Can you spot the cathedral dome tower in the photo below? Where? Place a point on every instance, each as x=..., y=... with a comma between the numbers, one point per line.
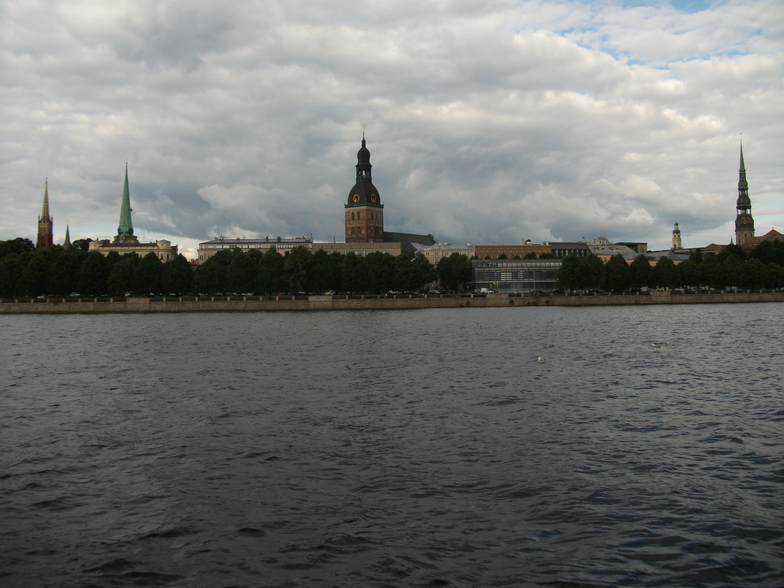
x=363, y=209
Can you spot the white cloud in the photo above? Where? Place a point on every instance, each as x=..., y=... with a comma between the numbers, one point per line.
x=487, y=122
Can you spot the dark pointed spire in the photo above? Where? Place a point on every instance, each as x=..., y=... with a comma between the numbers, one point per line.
x=67, y=243
x=744, y=202
x=744, y=222
x=45, y=210
x=126, y=226
x=45, y=222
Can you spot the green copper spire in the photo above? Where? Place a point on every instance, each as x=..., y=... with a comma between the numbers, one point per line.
x=126, y=226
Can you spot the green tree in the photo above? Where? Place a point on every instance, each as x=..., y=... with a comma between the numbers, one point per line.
x=529, y=255
x=407, y=274
x=380, y=268
x=710, y=271
x=593, y=270
x=148, y=275
x=454, y=272
x=689, y=273
x=642, y=275
x=94, y=274
x=10, y=270
x=296, y=268
x=774, y=276
x=64, y=272
x=352, y=273
x=731, y=250
x=769, y=252
x=754, y=274
x=666, y=273
x=732, y=271
x=270, y=278
x=210, y=276
x=428, y=272
x=695, y=257
x=618, y=276
x=35, y=275
x=242, y=274
x=325, y=271
x=122, y=276
x=177, y=276
x=18, y=246
x=81, y=244
x=570, y=276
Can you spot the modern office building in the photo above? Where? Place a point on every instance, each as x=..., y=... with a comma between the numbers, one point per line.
x=515, y=275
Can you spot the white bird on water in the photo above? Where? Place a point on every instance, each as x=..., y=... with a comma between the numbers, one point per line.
x=656, y=346
x=540, y=359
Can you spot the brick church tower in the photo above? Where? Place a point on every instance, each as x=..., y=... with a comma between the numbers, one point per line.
x=45, y=223
x=364, y=211
x=744, y=222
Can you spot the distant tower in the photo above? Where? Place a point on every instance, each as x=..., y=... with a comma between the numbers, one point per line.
x=45, y=223
x=676, y=238
x=67, y=243
x=125, y=230
x=744, y=222
x=364, y=211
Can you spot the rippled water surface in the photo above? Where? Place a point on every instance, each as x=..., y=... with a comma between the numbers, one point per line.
x=394, y=448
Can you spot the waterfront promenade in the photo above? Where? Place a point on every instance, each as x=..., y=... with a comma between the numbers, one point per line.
x=365, y=302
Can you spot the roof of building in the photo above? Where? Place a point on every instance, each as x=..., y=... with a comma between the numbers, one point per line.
x=408, y=238
x=243, y=241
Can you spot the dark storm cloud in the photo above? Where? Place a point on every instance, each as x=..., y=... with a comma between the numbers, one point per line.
x=487, y=122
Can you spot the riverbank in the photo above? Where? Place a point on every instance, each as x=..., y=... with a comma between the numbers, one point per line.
x=366, y=302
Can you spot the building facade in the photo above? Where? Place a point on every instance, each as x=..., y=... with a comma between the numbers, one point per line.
x=515, y=275
x=282, y=245
x=511, y=251
x=45, y=223
x=437, y=252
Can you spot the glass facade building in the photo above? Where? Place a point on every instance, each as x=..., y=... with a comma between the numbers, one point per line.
x=515, y=275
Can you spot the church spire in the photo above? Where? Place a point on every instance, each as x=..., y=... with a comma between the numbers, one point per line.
x=744, y=222
x=67, y=243
x=45, y=222
x=125, y=230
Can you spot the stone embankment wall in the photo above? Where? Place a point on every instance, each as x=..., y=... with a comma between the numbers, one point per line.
x=210, y=304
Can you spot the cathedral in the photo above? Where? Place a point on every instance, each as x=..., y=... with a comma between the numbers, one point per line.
x=364, y=210
x=364, y=213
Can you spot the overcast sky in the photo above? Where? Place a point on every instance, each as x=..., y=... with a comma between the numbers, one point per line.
x=488, y=121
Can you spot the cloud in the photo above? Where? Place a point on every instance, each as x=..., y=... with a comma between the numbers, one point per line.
x=487, y=121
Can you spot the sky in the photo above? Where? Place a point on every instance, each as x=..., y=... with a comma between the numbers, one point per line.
x=488, y=121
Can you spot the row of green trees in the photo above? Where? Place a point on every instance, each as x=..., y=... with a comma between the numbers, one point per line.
x=36, y=272
x=27, y=271
x=763, y=268
x=301, y=270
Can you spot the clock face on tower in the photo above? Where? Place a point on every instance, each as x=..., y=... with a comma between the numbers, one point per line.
x=355, y=198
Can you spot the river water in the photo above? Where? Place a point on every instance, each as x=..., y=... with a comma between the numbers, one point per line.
x=394, y=448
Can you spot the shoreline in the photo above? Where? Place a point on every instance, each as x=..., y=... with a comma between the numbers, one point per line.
x=369, y=302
